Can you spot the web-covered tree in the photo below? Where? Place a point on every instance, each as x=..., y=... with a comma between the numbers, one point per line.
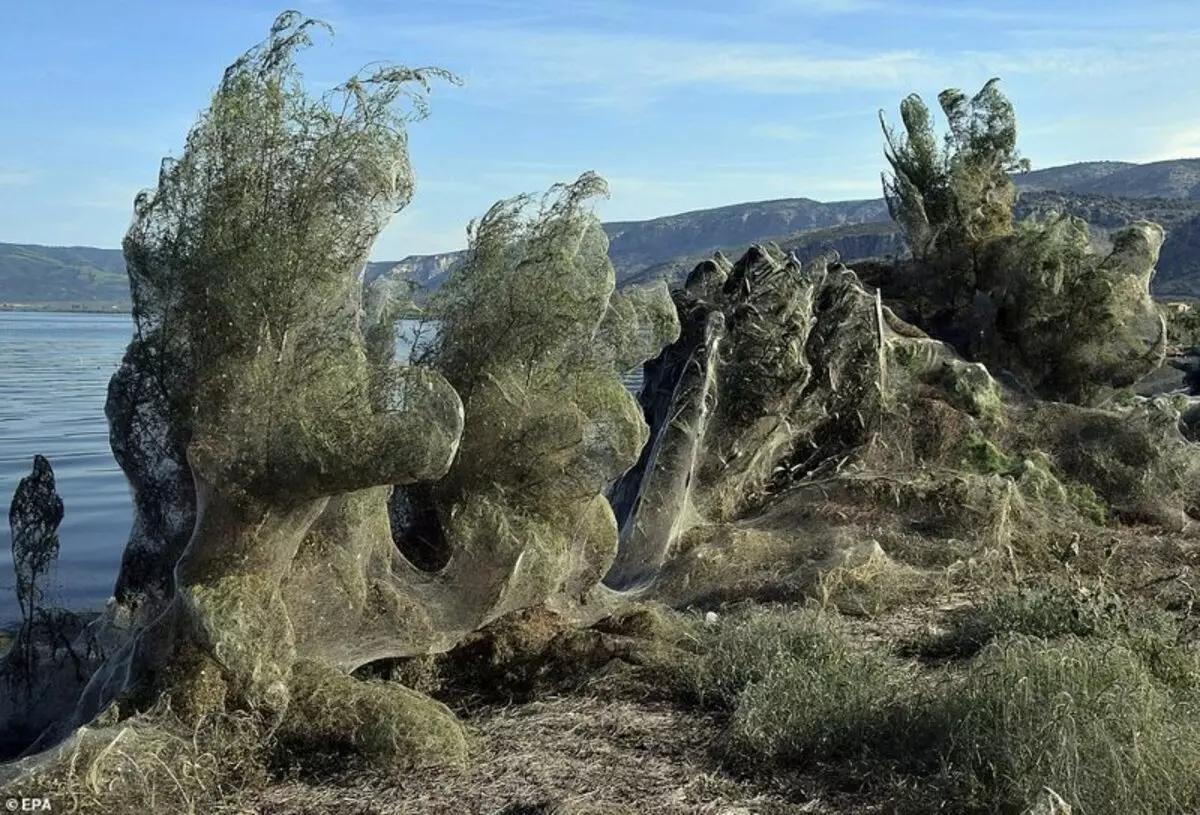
x=246, y=412
x=949, y=198
x=1033, y=298
x=264, y=424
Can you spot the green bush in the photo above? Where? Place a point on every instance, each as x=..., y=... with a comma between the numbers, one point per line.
x=749, y=646
x=1087, y=718
x=1050, y=612
x=1091, y=698
x=831, y=703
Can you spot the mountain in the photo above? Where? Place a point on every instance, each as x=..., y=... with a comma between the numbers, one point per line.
x=54, y=274
x=1069, y=177
x=1108, y=194
x=635, y=245
x=1178, y=178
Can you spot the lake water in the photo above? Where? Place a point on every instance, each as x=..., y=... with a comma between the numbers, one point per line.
x=54, y=372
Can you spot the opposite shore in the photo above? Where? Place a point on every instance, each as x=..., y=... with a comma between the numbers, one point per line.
x=71, y=307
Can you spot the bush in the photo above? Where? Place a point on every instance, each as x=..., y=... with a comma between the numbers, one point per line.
x=1051, y=612
x=831, y=703
x=1086, y=718
x=1096, y=701
x=747, y=647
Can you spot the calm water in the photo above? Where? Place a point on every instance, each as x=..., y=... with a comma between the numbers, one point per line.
x=54, y=372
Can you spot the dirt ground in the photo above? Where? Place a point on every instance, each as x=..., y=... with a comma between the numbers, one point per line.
x=568, y=755
x=605, y=750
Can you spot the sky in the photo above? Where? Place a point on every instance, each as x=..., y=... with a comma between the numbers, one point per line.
x=679, y=104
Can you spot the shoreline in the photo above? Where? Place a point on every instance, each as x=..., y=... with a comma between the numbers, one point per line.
x=69, y=307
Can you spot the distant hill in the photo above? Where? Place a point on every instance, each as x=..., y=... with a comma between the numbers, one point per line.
x=39, y=274
x=1069, y=177
x=1108, y=194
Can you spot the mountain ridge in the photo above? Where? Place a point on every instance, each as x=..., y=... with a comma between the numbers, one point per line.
x=1108, y=194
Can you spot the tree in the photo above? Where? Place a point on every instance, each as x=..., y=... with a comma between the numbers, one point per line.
x=243, y=412
x=950, y=198
x=263, y=422
x=1032, y=298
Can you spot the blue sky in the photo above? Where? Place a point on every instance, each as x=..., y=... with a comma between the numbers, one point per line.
x=680, y=105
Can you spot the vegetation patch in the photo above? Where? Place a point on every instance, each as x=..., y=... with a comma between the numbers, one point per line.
x=1081, y=706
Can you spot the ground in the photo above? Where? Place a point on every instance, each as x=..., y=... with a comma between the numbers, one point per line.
x=614, y=747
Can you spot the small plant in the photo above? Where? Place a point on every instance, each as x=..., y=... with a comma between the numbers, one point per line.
x=983, y=457
x=747, y=647
x=1080, y=692
x=1052, y=612
x=1086, y=717
x=33, y=518
x=831, y=703
x=1035, y=612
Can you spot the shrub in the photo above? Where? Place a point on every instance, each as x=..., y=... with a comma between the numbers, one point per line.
x=1086, y=718
x=748, y=646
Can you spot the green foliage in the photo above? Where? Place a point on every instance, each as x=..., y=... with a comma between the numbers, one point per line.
x=529, y=279
x=983, y=457
x=1100, y=712
x=532, y=338
x=1052, y=612
x=743, y=648
x=1087, y=718
x=826, y=702
x=257, y=229
x=949, y=198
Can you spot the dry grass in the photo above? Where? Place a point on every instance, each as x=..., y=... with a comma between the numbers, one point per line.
x=1090, y=694
x=567, y=755
x=149, y=763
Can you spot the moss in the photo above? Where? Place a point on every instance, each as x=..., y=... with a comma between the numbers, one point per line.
x=971, y=388
x=392, y=727
x=982, y=457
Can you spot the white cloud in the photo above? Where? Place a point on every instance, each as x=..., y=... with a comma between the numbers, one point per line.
x=17, y=178
x=778, y=131
x=624, y=70
x=1174, y=142
x=1088, y=62
x=627, y=72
